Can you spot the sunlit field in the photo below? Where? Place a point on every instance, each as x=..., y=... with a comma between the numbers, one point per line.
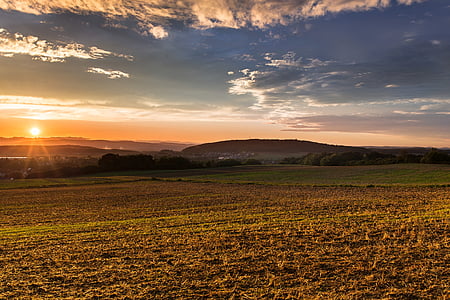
x=198, y=240
x=382, y=175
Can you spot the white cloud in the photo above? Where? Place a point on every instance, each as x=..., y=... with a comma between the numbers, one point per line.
x=245, y=57
x=435, y=42
x=28, y=100
x=157, y=32
x=290, y=60
x=19, y=44
x=409, y=2
x=111, y=74
x=287, y=60
x=401, y=112
x=244, y=85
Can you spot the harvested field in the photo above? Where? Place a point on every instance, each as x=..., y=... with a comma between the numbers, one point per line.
x=156, y=239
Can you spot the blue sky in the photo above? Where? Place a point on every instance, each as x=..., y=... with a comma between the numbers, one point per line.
x=357, y=72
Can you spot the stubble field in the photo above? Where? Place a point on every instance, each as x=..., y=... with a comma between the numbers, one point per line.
x=191, y=240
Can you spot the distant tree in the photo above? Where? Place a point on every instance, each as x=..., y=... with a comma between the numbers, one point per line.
x=109, y=162
x=252, y=161
x=373, y=155
x=227, y=163
x=407, y=158
x=138, y=162
x=330, y=160
x=173, y=163
x=115, y=162
x=342, y=159
x=435, y=156
x=313, y=159
x=291, y=160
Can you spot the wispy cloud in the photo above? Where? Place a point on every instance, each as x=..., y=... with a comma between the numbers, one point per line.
x=111, y=74
x=12, y=44
x=41, y=108
x=153, y=16
x=400, y=123
x=41, y=101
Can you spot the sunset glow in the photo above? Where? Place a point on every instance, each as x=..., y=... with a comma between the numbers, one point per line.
x=358, y=73
x=35, y=132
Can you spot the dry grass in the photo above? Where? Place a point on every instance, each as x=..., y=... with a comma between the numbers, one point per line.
x=147, y=240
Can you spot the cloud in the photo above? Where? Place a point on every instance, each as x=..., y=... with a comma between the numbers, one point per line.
x=28, y=100
x=435, y=42
x=158, y=32
x=112, y=74
x=400, y=123
x=416, y=70
x=153, y=16
x=41, y=108
x=19, y=44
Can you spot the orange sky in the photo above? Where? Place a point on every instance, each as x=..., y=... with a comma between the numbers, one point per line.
x=196, y=132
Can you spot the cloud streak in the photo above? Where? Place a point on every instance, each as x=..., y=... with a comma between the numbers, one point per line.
x=19, y=44
x=153, y=16
x=405, y=124
x=111, y=74
x=41, y=108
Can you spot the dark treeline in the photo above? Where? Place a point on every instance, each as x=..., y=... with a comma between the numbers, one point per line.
x=45, y=168
x=50, y=166
x=434, y=156
x=116, y=163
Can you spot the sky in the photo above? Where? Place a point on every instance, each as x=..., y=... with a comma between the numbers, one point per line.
x=354, y=72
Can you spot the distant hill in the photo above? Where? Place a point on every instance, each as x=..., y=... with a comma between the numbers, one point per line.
x=102, y=144
x=65, y=150
x=257, y=146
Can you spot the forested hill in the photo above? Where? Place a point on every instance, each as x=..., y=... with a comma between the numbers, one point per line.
x=268, y=146
x=101, y=144
x=65, y=150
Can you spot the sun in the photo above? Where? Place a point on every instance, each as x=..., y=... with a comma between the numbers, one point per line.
x=35, y=131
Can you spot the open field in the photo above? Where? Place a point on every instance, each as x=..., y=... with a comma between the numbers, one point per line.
x=61, y=182
x=164, y=239
x=400, y=174
x=383, y=175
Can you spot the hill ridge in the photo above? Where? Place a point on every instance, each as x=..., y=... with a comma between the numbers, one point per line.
x=269, y=146
x=96, y=143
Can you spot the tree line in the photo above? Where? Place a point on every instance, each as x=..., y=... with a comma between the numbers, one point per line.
x=116, y=163
x=31, y=168
x=434, y=156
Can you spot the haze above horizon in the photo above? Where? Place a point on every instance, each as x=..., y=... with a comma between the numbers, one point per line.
x=357, y=72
